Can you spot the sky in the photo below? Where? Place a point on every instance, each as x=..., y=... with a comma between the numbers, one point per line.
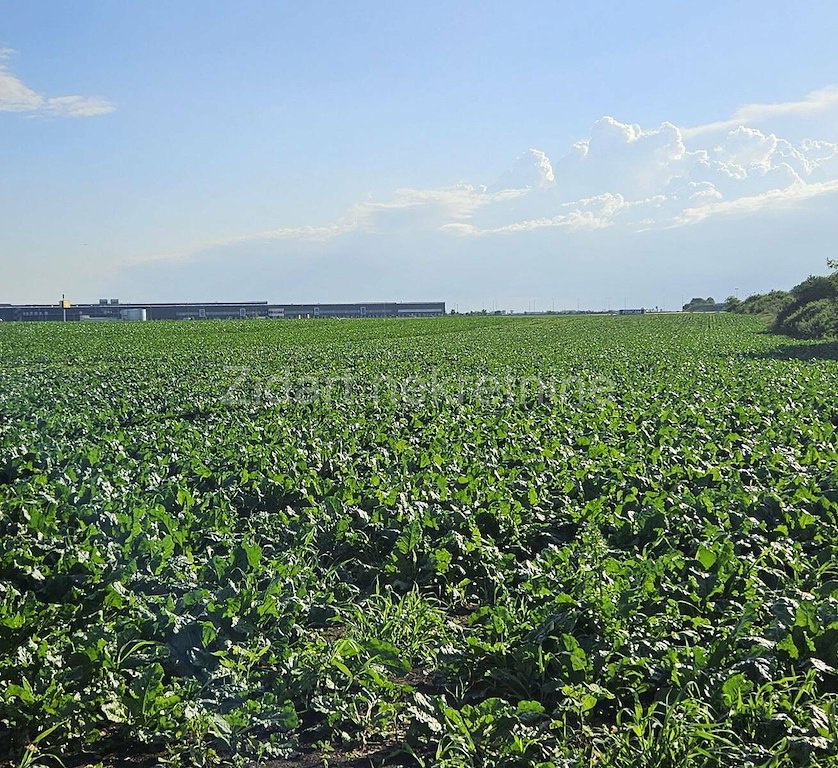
x=522, y=156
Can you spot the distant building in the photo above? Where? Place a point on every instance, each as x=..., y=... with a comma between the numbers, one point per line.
x=372, y=309
x=114, y=310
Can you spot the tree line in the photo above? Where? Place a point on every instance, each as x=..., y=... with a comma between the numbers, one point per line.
x=807, y=311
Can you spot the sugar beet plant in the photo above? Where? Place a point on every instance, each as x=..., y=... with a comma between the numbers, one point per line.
x=456, y=542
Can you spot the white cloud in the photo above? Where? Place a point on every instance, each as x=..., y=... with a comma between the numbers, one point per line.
x=621, y=178
x=621, y=158
x=14, y=95
x=532, y=170
x=746, y=206
x=814, y=103
x=424, y=208
x=77, y=106
x=17, y=97
x=582, y=215
x=822, y=157
x=747, y=147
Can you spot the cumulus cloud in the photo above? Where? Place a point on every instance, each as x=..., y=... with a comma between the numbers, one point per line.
x=532, y=170
x=621, y=158
x=620, y=177
x=642, y=179
x=17, y=97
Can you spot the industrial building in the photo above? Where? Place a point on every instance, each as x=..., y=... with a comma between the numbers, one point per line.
x=112, y=309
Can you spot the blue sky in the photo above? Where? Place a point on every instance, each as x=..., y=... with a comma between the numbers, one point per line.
x=487, y=154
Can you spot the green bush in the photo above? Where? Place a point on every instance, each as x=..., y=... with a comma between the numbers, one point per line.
x=763, y=303
x=807, y=311
x=811, y=321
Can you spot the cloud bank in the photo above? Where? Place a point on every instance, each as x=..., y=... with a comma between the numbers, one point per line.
x=620, y=175
x=17, y=97
x=625, y=208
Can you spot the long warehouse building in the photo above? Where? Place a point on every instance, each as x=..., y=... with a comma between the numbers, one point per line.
x=114, y=310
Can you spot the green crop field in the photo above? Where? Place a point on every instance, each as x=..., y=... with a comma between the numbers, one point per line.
x=600, y=541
